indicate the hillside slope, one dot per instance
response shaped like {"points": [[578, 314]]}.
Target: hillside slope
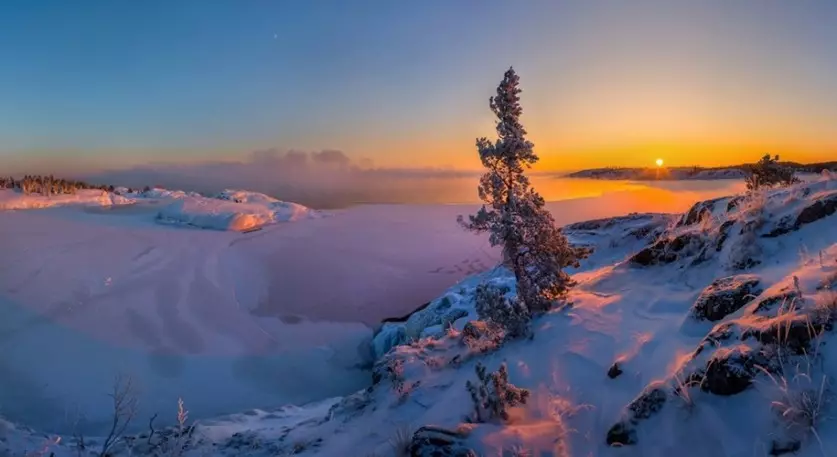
{"points": [[708, 333]]}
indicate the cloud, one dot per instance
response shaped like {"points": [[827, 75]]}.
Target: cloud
{"points": [[331, 157], [326, 178]]}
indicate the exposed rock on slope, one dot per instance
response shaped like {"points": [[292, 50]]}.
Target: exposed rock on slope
{"points": [[780, 332], [730, 228], [725, 296]]}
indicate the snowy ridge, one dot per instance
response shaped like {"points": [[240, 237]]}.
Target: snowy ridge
{"points": [[231, 210], [11, 200], [707, 333]]}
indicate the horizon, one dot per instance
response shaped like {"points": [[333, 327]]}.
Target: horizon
{"points": [[114, 87]]}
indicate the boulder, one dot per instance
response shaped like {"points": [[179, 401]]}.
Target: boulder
{"points": [[668, 250], [432, 441], [725, 296]]}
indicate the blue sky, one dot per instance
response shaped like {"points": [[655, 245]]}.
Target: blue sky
{"points": [[406, 83]]}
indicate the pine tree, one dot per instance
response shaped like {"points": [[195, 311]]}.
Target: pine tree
{"points": [[768, 172], [514, 214]]}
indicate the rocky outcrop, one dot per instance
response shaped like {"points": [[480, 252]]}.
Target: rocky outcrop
{"points": [[700, 210], [725, 296], [614, 371], [647, 404], [432, 441], [823, 206], [764, 340], [668, 250]]}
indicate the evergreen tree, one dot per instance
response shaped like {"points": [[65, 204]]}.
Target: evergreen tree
{"points": [[514, 214], [768, 172]]}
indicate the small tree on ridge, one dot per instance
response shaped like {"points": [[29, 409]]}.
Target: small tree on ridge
{"points": [[768, 172], [514, 214]]}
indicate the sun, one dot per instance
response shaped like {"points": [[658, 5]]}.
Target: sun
{"points": [[659, 162]]}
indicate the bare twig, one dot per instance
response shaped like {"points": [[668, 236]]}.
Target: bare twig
{"points": [[124, 410], [151, 427]]}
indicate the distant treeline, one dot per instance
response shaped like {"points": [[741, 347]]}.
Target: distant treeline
{"points": [[50, 185], [695, 172], [811, 167]]}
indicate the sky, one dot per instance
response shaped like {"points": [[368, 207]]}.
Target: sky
{"points": [[115, 83]]}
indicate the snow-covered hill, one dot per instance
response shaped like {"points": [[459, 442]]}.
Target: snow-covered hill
{"points": [[233, 210], [12, 200], [702, 334]]}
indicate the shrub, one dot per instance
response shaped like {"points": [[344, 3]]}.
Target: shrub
{"points": [[768, 172], [493, 305], [493, 395]]}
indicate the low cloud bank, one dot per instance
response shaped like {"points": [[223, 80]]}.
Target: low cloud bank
{"points": [[330, 179], [319, 179]]}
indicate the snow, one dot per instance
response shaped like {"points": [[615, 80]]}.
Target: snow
{"points": [[230, 321], [12, 200], [231, 210], [208, 213]]}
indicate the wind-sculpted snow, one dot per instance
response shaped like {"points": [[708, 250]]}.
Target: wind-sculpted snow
{"points": [[627, 369]]}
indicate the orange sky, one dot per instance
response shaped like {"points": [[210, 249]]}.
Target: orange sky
{"points": [[708, 82]]}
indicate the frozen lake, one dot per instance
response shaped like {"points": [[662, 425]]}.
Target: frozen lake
{"points": [[229, 321]]}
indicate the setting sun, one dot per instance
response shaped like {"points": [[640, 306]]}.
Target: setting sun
{"points": [[659, 162]]}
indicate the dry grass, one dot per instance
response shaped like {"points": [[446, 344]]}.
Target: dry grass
{"points": [[800, 394], [400, 441]]}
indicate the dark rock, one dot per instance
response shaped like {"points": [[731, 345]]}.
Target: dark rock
{"points": [[621, 434], [734, 203], [432, 441], [823, 207], [784, 226], [725, 296], [723, 234], [648, 403], [785, 447], [698, 211], [794, 334], [729, 374], [666, 250], [614, 371]]}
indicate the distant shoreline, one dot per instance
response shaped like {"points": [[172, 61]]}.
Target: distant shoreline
{"points": [[688, 173]]}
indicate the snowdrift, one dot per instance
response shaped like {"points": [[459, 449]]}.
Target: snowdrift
{"points": [[232, 210], [12, 200]]}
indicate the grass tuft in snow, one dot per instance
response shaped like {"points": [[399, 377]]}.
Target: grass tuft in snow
{"points": [[400, 441]]}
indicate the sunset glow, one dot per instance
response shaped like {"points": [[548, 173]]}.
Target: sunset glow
{"points": [[659, 162], [600, 88]]}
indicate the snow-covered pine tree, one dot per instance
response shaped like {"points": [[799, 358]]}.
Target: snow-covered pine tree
{"points": [[768, 172], [514, 214]]}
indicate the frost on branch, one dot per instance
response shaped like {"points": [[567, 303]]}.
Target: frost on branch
{"points": [[514, 214], [493, 305]]}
